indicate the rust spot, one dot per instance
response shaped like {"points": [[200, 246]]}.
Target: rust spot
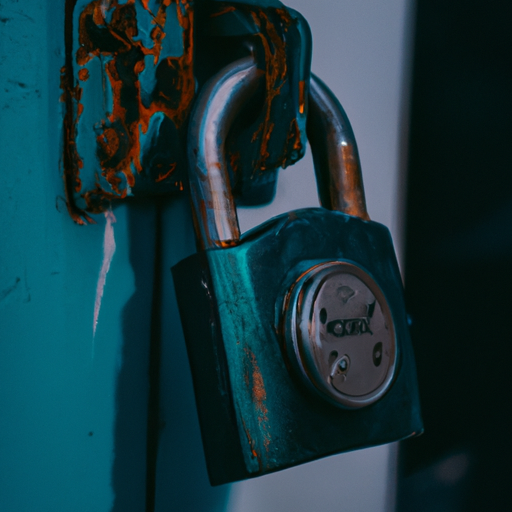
{"points": [[234, 162], [293, 142], [227, 243], [286, 19], [302, 96], [252, 445], [275, 75], [114, 39], [109, 141], [162, 177], [83, 74], [230, 8], [259, 396]]}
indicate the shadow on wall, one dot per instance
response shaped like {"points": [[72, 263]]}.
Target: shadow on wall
{"points": [[159, 462]]}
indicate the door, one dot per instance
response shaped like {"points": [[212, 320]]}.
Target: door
{"points": [[96, 403]]}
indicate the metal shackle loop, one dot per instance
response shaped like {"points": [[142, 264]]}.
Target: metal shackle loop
{"points": [[335, 155]]}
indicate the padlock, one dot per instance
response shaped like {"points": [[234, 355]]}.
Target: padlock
{"points": [[296, 331]]}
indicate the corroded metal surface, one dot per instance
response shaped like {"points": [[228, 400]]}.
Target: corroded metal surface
{"points": [[220, 103], [131, 72], [270, 132], [128, 84], [334, 147], [256, 415]]}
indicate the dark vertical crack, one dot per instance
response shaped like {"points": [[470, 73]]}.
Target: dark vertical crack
{"points": [[153, 419]]}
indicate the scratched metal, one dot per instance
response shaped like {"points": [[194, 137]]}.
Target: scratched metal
{"points": [[256, 415], [337, 165], [129, 80]]}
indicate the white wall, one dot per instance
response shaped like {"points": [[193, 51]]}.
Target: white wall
{"points": [[361, 49]]}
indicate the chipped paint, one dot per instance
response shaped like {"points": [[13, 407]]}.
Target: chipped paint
{"points": [[109, 248], [275, 76], [138, 56], [142, 92]]}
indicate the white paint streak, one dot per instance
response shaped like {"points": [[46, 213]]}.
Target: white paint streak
{"points": [[109, 248]]}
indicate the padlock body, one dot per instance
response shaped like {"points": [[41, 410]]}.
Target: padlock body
{"points": [[257, 414]]}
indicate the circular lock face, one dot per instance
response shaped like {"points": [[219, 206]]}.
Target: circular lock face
{"points": [[340, 335]]}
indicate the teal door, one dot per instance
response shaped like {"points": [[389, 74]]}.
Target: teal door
{"points": [[84, 311], [88, 420]]}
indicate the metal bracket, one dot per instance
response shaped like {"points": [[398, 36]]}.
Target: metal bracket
{"points": [[131, 73]]}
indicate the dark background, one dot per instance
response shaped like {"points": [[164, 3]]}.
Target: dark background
{"points": [[458, 270]]}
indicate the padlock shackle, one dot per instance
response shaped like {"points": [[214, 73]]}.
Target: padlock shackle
{"points": [[332, 143], [334, 147], [220, 100]]}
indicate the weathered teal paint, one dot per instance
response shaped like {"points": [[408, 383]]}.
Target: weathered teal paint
{"points": [[72, 429], [255, 417], [73, 406]]}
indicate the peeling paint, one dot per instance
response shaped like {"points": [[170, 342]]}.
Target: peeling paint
{"points": [[139, 90], [275, 75], [109, 248]]}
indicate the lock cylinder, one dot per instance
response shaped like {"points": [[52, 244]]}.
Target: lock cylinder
{"points": [[339, 334]]}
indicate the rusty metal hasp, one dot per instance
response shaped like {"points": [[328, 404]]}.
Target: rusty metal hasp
{"points": [[130, 77]]}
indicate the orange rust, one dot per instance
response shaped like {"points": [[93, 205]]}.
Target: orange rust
{"points": [[227, 243], [302, 96], [139, 67], [162, 177], [97, 16], [83, 74], [234, 161], [276, 68], [230, 8], [70, 96], [109, 141], [259, 396], [124, 29], [286, 18], [293, 136], [252, 444]]}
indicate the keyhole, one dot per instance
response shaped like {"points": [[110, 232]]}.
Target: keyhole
{"points": [[377, 354]]}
